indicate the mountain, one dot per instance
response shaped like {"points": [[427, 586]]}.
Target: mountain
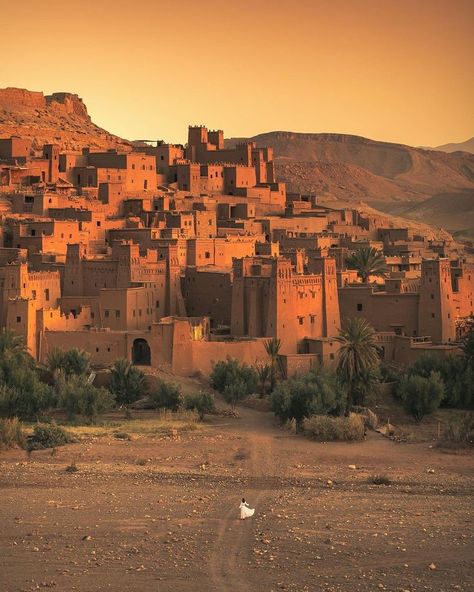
{"points": [[393, 178], [467, 146], [59, 118]]}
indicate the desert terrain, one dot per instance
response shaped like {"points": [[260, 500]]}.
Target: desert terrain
{"points": [[159, 511]]}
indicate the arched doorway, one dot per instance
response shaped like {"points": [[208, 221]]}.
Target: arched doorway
{"points": [[141, 353]]}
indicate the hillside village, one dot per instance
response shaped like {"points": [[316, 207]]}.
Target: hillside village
{"points": [[177, 256]]}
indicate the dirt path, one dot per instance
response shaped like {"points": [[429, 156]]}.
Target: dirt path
{"points": [[235, 538]]}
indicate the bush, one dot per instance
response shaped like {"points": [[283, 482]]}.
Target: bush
{"points": [[167, 396], [202, 403], [389, 373], [235, 392], [78, 397], [25, 396], [327, 429], [457, 374], [227, 374], [421, 396], [72, 468], [307, 395], [460, 429], [11, 433], [47, 436], [127, 382]]}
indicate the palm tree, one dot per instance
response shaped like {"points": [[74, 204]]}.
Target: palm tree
{"points": [[358, 354], [73, 362], [272, 347], [367, 262], [264, 373], [127, 382]]}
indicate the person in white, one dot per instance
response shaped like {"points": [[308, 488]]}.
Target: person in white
{"points": [[245, 511]]}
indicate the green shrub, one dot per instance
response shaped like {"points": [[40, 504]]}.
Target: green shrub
{"points": [[167, 396], [389, 372], [72, 468], [310, 394], [235, 392], [226, 373], [11, 433], [421, 396], [457, 374], [25, 396], [80, 398], [324, 428], [202, 403], [47, 436]]}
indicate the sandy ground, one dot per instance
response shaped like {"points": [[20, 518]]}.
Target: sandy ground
{"points": [[161, 513]]}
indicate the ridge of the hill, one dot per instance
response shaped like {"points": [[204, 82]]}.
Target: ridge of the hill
{"points": [[60, 118]]}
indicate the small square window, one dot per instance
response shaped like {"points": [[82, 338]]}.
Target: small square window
{"points": [[359, 306], [18, 319]]}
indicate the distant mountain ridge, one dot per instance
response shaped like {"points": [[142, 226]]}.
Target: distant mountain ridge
{"points": [[467, 146], [391, 177]]}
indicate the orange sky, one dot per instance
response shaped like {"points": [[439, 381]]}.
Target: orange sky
{"points": [[396, 70]]}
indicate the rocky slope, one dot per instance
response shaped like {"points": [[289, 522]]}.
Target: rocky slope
{"points": [[61, 118], [391, 177]]}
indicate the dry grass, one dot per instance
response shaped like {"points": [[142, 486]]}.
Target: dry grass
{"points": [[330, 429], [156, 423], [144, 423], [11, 433]]}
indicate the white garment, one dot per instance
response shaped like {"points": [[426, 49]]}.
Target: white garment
{"points": [[245, 511]]}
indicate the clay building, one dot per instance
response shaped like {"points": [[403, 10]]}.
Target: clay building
{"points": [[175, 256]]}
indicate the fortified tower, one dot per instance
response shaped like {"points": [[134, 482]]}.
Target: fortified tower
{"points": [[436, 307], [51, 152], [326, 267]]}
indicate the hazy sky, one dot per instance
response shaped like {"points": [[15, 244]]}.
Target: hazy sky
{"points": [[396, 70]]}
